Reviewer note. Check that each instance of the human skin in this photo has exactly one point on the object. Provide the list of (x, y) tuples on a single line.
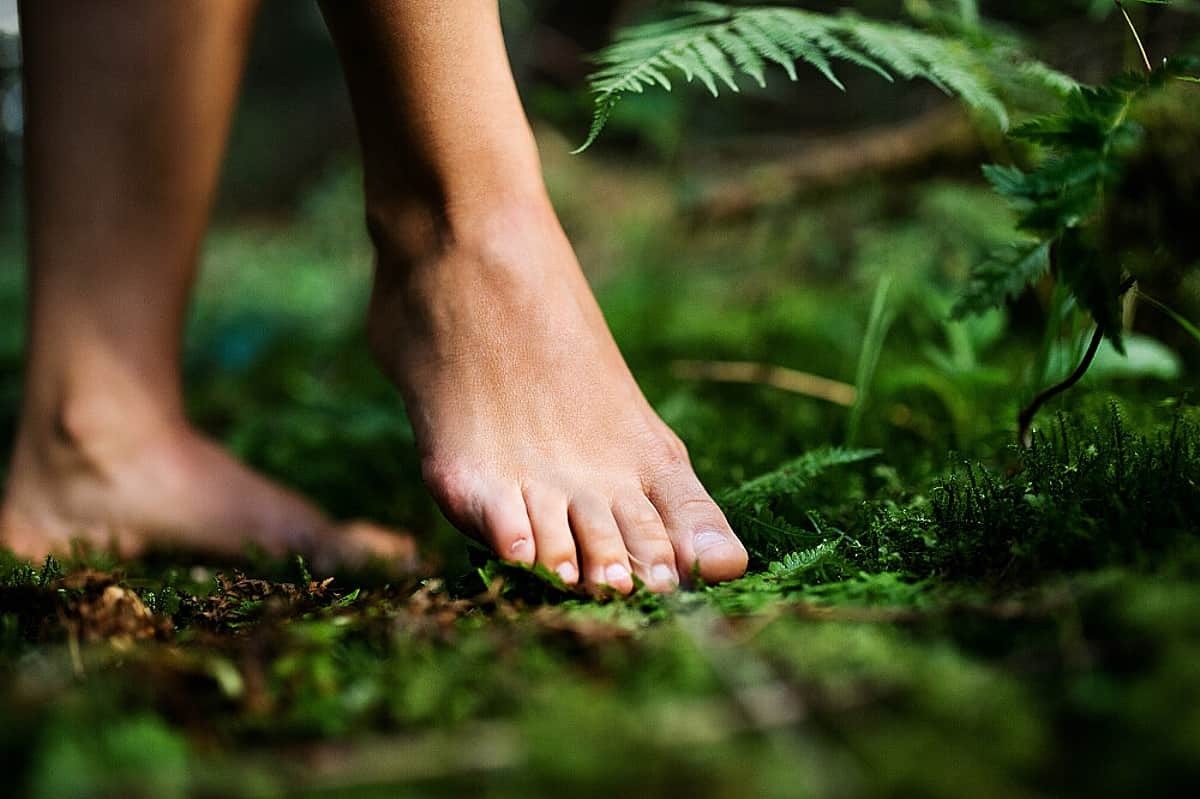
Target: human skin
[(533, 434), (127, 106)]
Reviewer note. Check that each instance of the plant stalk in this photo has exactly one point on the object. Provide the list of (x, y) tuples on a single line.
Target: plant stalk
[(1136, 37), (1025, 418)]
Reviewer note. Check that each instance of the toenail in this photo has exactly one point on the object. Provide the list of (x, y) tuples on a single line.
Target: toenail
[(708, 540), (663, 574), (567, 572), (519, 546), (616, 573)]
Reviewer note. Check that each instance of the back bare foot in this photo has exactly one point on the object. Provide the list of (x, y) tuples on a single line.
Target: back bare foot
[(533, 434), (127, 109), (93, 479)]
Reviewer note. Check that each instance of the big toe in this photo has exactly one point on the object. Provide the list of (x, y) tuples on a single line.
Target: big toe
[(704, 542), (719, 555)]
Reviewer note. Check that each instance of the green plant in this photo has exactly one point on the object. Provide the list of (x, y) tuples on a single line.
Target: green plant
[(713, 44), (1064, 205), (752, 507), (1081, 151)]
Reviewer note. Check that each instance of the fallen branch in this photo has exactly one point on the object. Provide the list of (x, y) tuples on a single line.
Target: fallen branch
[(944, 132)]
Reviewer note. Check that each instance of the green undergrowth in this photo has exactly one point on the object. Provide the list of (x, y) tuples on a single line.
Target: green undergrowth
[(1013, 617)]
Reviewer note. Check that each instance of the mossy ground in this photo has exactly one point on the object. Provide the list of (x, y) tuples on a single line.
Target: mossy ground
[(947, 615)]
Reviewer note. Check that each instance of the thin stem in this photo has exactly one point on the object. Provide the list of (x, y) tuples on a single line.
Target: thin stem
[(969, 10), (1025, 419), (1178, 318), (878, 323), (1136, 37)]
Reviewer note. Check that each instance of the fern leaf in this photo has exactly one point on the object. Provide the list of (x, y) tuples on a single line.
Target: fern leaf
[(599, 118), (795, 567), (716, 62), (947, 63), (789, 478), (746, 29), (748, 59), (715, 44), (1003, 277), (1094, 278), (803, 37), (1084, 150), (846, 26), (658, 76), (686, 62), (749, 506)]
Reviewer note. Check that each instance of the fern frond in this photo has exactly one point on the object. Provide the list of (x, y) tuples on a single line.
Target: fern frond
[(795, 567), (1003, 277), (751, 507), (754, 495), (1084, 149), (715, 44)]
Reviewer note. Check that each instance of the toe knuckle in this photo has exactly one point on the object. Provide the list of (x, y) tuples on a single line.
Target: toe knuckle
[(668, 452), (673, 446), (645, 523), (600, 550), (452, 484), (701, 506)]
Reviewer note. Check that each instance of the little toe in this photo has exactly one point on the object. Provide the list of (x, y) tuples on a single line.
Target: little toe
[(552, 532), (646, 540), (601, 548), (698, 529)]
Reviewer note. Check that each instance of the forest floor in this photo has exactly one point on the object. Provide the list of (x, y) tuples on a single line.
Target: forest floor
[(931, 610)]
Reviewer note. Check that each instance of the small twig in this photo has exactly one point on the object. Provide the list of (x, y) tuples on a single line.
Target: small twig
[(780, 377), (1136, 37), (72, 644), (793, 380), (1025, 418)]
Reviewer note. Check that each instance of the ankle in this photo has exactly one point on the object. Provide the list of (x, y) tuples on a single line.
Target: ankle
[(495, 255), (90, 430), (411, 233)]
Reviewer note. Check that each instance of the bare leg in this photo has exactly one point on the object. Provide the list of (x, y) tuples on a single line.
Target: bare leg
[(128, 106), (532, 431)]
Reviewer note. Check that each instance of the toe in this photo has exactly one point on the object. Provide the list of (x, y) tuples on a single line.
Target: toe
[(493, 510), (505, 525), (702, 538), (552, 532), (646, 540), (359, 542), (601, 548)]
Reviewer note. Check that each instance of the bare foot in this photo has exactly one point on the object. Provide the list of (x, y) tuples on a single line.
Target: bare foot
[(129, 483), (533, 434)]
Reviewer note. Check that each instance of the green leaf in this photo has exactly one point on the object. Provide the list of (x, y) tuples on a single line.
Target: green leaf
[(714, 43), (1094, 278), (1003, 278), (1175, 316)]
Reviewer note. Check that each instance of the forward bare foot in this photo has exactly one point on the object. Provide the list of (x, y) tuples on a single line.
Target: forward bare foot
[(107, 481), (533, 433)]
